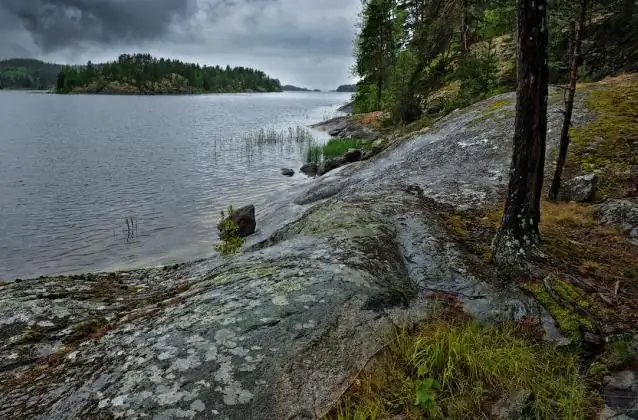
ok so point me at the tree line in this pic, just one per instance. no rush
(143, 73)
(22, 73)
(408, 49)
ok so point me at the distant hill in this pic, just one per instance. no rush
(347, 88)
(292, 88)
(26, 73)
(143, 74)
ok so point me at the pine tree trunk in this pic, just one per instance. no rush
(519, 226)
(465, 28)
(569, 103)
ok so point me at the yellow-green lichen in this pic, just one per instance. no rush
(241, 273)
(29, 335)
(496, 105)
(569, 321)
(607, 143)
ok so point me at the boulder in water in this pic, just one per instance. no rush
(287, 172)
(244, 218)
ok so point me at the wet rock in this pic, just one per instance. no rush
(309, 169)
(344, 127)
(331, 164)
(287, 172)
(353, 155)
(622, 213)
(244, 218)
(513, 407)
(378, 145)
(580, 189)
(620, 395)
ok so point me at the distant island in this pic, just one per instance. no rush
(347, 88)
(143, 74)
(292, 88)
(26, 73)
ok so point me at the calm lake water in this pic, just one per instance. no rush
(93, 183)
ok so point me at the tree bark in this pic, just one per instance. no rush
(519, 226)
(569, 102)
(465, 25)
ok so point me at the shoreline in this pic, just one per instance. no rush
(117, 270)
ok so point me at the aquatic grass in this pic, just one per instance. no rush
(457, 368)
(291, 135)
(314, 153)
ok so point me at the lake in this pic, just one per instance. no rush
(92, 183)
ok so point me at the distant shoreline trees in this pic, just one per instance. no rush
(145, 74)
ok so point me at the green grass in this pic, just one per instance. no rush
(334, 148)
(459, 369)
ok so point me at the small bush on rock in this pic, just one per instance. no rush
(231, 242)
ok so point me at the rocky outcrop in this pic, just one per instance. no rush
(347, 127)
(581, 189)
(281, 330)
(287, 172)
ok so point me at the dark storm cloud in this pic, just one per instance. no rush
(60, 23)
(306, 42)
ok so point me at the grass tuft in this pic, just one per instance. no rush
(459, 369)
(334, 148)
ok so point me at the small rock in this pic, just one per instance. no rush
(580, 189)
(623, 380)
(623, 213)
(244, 218)
(353, 155)
(309, 169)
(512, 407)
(377, 146)
(287, 172)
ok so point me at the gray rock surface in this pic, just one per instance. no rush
(513, 407)
(622, 213)
(280, 331)
(621, 396)
(343, 127)
(580, 189)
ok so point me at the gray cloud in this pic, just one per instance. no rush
(59, 23)
(307, 42)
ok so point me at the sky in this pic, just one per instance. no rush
(307, 43)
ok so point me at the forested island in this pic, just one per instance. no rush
(26, 73)
(143, 74)
(346, 88)
(293, 88)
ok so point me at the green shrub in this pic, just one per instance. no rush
(230, 242)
